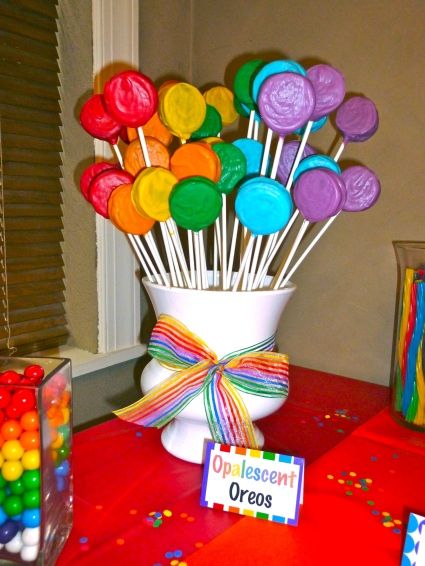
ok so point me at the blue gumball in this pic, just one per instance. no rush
(31, 518)
(8, 530)
(63, 468)
(3, 516)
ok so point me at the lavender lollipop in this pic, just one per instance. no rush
(363, 188)
(287, 158)
(357, 119)
(319, 194)
(329, 87)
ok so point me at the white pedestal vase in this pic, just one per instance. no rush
(226, 321)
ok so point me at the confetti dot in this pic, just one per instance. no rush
(174, 562)
(397, 521)
(330, 477)
(157, 515)
(157, 523)
(396, 531)
(199, 544)
(83, 540)
(120, 541)
(388, 524)
(370, 502)
(374, 458)
(352, 474)
(190, 519)
(340, 430)
(327, 416)
(368, 480)
(138, 434)
(343, 473)
(167, 513)
(375, 512)
(349, 482)
(169, 554)
(183, 515)
(178, 553)
(385, 513)
(358, 485)
(182, 563)
(341, 481)
(133, 511)
(348, 493)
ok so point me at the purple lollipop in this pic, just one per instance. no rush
(319, 194)
(287, 158)
(329, 87)
(286, 102)
(357, 119)
(363, 188)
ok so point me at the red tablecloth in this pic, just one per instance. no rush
(137, 505)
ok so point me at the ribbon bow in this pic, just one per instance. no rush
(255, 370)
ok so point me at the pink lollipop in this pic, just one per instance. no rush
(357, 119)
(96, 120)
(90, 173)
(329, 87)
(286, 102)
(287, 158)
(363, 188)
(131, 98)
(319, 194)
(102, 186)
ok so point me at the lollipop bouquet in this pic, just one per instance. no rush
(209, 221)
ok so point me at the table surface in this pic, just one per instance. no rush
(135, 504)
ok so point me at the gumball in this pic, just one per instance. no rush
(3, 482)
(36, 372)
(10, 377)
(65, 431)
(2, 419)
(8, 530)
(31, 536)
(3, 517)
(17, 487)
(13, 505)
(3, 495)
(63, 451)
(12, 450)
(31, 479)
(65, 415)
(65, 399)
(15, 545)
(11, 429)
(31, 518)
(30, 421)
(12, 470)
(5, 397)
(30, 439)
(31, 499)
(58, 442)
(24, 400)
(60, 483)
(13, 412)
(31, 460)
(29, 553)
(63, 469)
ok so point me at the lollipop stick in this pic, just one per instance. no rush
(271, 240)
(256, 129)
(144, 147)
(308, 250)
(197, 262)
(224, 245)
(278, 279)
(168, 253)
(277, 157)
(245, 259)
(250, 131)
(174, 258)
(155, 254)
(179, 250)
(204, 272)
(140, 257)
(191, 256)
(232, 251)
(257, 249)
(339, 152)
(266, 152)
(215, 259)
(299, 154)
(118, 154)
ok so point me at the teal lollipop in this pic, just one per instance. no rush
(211, 125)
(233, 166)
(253, 152)
(273, 68)
(315, 161)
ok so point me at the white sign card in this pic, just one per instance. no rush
(414, 544)
(255, 483)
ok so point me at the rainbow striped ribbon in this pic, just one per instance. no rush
(256, 370)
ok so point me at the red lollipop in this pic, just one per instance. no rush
(131, 98)
(102, 186)
(90, 173)
(96, 120)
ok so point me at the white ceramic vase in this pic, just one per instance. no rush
(227, 321)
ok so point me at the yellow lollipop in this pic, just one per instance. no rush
(151, 191)
(182, 108)
(222, 99)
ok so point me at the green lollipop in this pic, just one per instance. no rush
(233, 166)
(211, 125)
(195, 203)
(243, 82)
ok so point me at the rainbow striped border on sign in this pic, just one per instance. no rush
(254, 483)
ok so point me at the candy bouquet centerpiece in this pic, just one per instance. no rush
(209, 221)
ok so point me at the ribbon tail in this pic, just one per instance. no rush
(166, 400)
(227, 416)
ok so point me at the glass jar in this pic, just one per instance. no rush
(35, 478)
(407, 376)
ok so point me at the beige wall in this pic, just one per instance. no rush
(341, 319)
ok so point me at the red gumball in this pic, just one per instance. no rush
(10, 377)
(34, 373)
(5, 397)
(13, 412)
(23, 400)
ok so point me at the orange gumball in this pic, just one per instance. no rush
(124, 215)
(65, 399)
(52, 411)
(196, 159)
(30, 440)
(134, 161)
(153, 128)
(30, 421)
(11, 429)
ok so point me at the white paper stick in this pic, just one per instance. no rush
(244, 286)
(224, 243)
(150, 241)
(308, 250)
(253, 267)
(256, 129)
(232, 250)
(197, 261)
(338, 153)
(250, 131)
(143, 263)
(299, 154)
(245, 259)
(271, 240)
(118, 154)
(174, 258)
(191, 257)
(266, 152)
(144, 147)
(297, 241)
(204, 272)
(276, 158)
(175, 241)
(215, 259)
(167, 247)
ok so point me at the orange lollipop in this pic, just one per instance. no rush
(195, 159)
(124, 216)
(134, 161)
(153, 128)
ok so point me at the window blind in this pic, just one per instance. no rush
(32, 313)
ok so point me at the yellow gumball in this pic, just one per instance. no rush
(57, 443)
(31, 460)
(222, 99)
(1, 459)
(65, 414)
(12, 470)
(12, 450)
